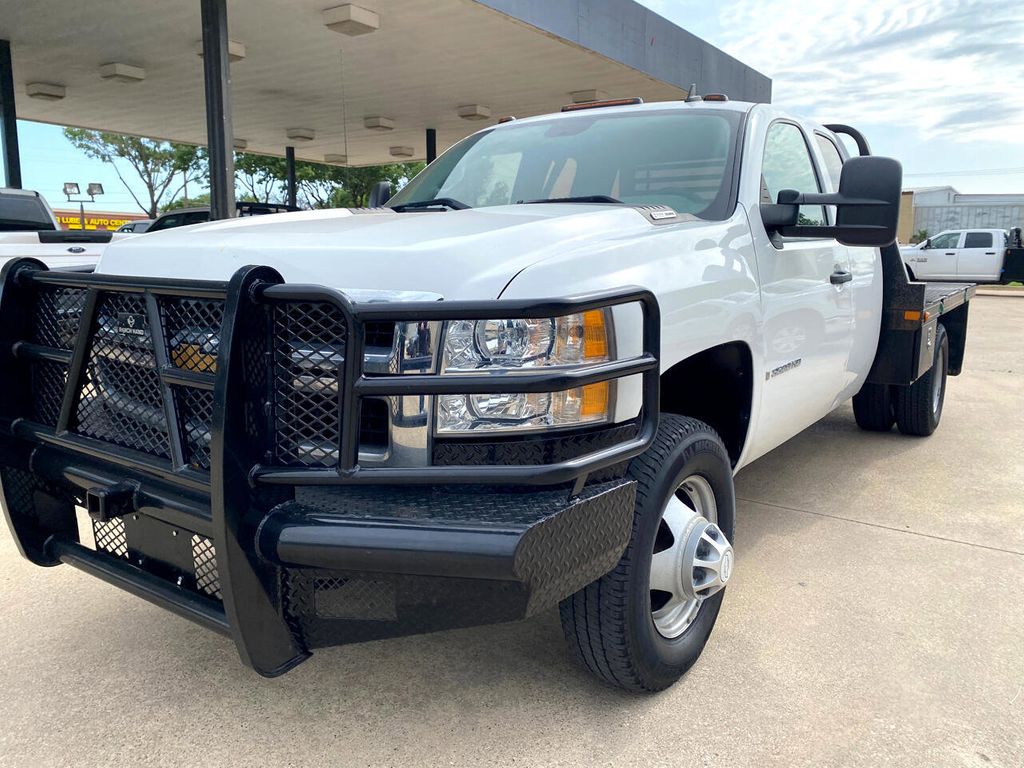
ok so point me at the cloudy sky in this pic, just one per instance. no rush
(938, 84)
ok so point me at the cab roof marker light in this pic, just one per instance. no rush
(599, 104)
(715, 97)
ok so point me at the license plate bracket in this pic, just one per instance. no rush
(162, 549)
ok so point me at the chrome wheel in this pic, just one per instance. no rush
(692, 558)
(937, 379)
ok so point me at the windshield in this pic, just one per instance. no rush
(24, 213)
(680, 159)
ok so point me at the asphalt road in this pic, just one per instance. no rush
(876, 618)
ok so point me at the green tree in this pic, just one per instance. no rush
(326, 186)
(261, 177)
(920, 236)
(188, 202)
(164, 168)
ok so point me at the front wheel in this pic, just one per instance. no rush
(645, 623)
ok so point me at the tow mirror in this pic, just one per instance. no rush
(380, 194)
(867, 205)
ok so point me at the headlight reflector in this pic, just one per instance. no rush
(525, 345)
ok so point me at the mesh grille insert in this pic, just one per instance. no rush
(309, 341)
(195, 411)
(120, 400)
(204, 558)
(48, 381)
(192, 331)
(110, 537)
(57, 315)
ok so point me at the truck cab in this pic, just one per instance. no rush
(974, 255)
(524, 383)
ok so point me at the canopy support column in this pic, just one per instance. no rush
(289, 167)
(431, 145)
(219, 130)
(8, 119)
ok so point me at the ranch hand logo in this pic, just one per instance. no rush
(131, 325)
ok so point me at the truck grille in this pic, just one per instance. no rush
(309, 360)
(123, 399)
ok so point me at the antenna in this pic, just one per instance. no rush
(692, 94)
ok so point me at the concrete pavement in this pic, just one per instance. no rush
(876, 618)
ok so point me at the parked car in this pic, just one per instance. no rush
(978, 255)
(526, 383)
(136, 227)
(29, 228)
(183, 217)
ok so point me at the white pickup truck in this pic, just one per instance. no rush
(526, 382)
(29, 228)
(977, 255)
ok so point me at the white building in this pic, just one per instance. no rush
(939, 208)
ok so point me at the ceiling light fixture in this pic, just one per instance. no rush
(588, 94)
(351, 20)
(301, 134)
(474, 112)
(335, 159)
(121, 72)
(378, 123)
(401, 151)
(45, 91)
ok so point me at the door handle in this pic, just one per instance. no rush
(990, 253)
(839, 277)
(951, 253)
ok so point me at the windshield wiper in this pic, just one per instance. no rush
(577, 199)
(447, 202)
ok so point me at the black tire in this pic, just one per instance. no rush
(918, 407)
(872, 407)
(608, 624)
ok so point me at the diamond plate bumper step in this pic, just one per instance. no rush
(552, 546)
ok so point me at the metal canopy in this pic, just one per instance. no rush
(425, 61)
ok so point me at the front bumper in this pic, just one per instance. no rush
(284, 559)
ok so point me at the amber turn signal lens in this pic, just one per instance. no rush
(595, 401)
(595, 336)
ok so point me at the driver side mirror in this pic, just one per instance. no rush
(867, 205)
(927, 243)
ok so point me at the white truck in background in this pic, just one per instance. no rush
(29, 228)
(974, 255)
(525, 382)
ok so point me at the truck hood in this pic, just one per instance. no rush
(466, 254)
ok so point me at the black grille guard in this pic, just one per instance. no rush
(228, 504)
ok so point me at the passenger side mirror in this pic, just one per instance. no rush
(380, 194)
(867, 205)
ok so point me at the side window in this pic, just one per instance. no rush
(787, 165)
(833, 160)
(948, 240)
(978, 240)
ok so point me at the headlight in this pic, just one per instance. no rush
(525, 346)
